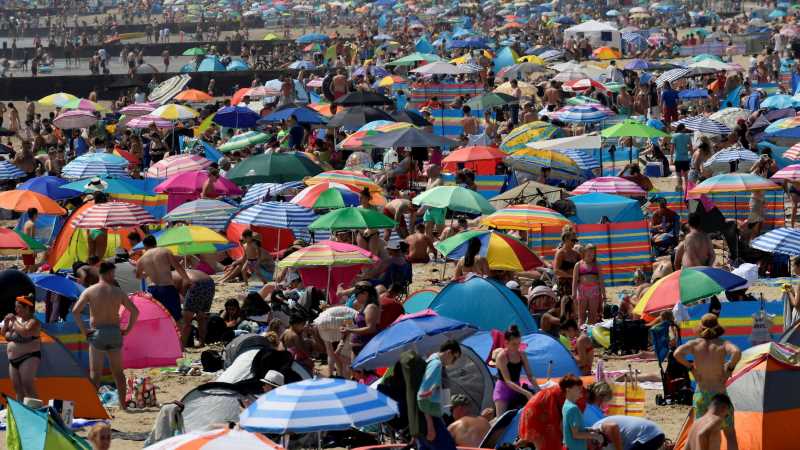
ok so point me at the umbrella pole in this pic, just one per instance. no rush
(328, 284)
(278, 242)
(319, 440)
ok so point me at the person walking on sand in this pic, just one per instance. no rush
(709, 367)
(104, 334)
(157, 264)
(705, 431)
(21, 331)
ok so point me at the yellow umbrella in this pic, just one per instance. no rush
(531, 59)
(174, 112)
(57, 99)
(527, 89)
(270, 37)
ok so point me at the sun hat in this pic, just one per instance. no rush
(710, 327)
(273, 378)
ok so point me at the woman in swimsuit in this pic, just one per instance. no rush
(564, 261)
(24, 348)
(510, 360)
(588, 287)
(472, 262)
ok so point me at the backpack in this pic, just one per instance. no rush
(218, 331)
(212, 361)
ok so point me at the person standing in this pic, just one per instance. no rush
(198, 295)
(104, 334)
(29, 229)
(157, 264)
(705, 431)
(588, 287)
(575, 434)
(681, 149)
(21, 331)
(510, 360)
(430, 400)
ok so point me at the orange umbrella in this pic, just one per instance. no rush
(474, 153)
(22, 201)
(193, 96)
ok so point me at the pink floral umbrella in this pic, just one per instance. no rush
(610, 185)
(173, 165)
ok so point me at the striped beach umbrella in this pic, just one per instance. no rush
(147, 121)
(686, 286)
(74, 119)
(782, 125)
(501, 251)
(138, 109)
(530, 132)
(532, 160)
(672, 75)
(259, 192)
(21, 201)
(213, 214)
(610, 185)
(721, 161)
(351, 219)
(581, 114)
(174, 112)
(789, 173)
(244, 140)
(190, 234)
(347, 177)
(455, 198)
(95, 165)
(355, 141)
(328, 195)
(784, 240)
(704, 124)
(173, 165)
(734, 182)
(584, 160)
(524, 217)
(113, 215)
(8, 171)
(729, 116)
(584, 84)
(169, 88)
(58, 99)
(328, 254)
(282, 215)
(216, 439)
(792, 152)
(318, 404)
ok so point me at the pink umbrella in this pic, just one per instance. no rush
(611, 185)
(315, 83)
(76, 118)
(138, 109)
(583, 84)
(154, 326)
(788, 173)
(192, 183)
(146, 121)
(173, 165)
(793, 152)
(113, 215)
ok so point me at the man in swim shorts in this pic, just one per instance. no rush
(157, 264)
(104, 335)
(197, 298)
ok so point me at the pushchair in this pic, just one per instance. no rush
(674, 376)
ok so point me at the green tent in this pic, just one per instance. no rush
(30, 429)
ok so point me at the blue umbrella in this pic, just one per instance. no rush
(118, 186)
(722, 159)
(704, 125)
(785, 241)
(584, 160)
(258, 192)
(582, 114)
(637, 64)
(546, 355)
(302, 65)
(96, 164)
(237, 65)
(187, 68)
(565, 20)
(311, 37)
(211, 64)
(778, 101)
(423, 332)
(236, 117)
(58, 284)
(689, 94)
(302, 114)
(279, 215)
(318, 404)
(50, 186)
(9, 171)
(777, 14)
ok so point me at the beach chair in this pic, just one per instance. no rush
(674, 376)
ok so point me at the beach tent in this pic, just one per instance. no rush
(482, 302)
(591, 208)
(154, 340)
(29, 429)
(60, 376)
(470, 376)
(241, 344)
(546, 355)
(737, 319)
(504, 430)
(599, 34)
(214, 403)
(419, 300)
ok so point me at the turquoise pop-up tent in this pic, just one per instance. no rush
(591, 208)
(30, 429)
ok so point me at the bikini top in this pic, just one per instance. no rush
(585, 269)
(19, 339)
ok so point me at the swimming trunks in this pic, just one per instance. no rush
(169, 297)
(435, 215)
(19, 360)
(106, 338)
(702, 399)
(199, 297)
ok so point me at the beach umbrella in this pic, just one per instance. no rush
(438, 68)
(194, 96)
(216, 439)
(610, 185)
(211, 64)
(786, 127)
(261, 191)
(473, 153)
(524, 217)
(502, 252)
(190, 234)
(778, 101)
(532, 160)
(15, 243)
(422, 332)
(721, 161)
(363, 98)
(236, 117)
(192, 183)
(455, 198)
(582, 114)
(632, 128)
(327, 196)
(302, 114)
(686, 286)
(355, 141)
(169, 88)
(50, 186)
(59, 99)
(792, 153)
(194, 51)
(571, 75)
(237, 65)
(9, 171)
(273, 168)
(84, 105)
(281, 215)
(491, 100)
(74, 119)
(409, 137)
(315, 405)
(354, 118)
(705, 125)
(174, 112)
(311, 37)
(138, 109)
(410, 117)
(729, 116)
(414, 58)
(20, 201)
(142, 122)
(347, 177)
(584, 160)
(328, 254)
(785, 241)
(113, 215)
(524, 134)
(637, 64)
(788, 173)
(213, 214)
(734, 182)
(244, 140)
(58, 284)
(693, 94)
(110, 185)
(672, 75)
(145, 69)
(352, 219)
(390, 81)
(175, 164)
(527, 89)
(583, 84)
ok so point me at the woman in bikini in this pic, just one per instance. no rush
(587, 284)
(21, 331)
(510, 360)
(564, 262)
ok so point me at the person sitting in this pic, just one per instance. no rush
(467, 430)
(664, 226)
(420, 246)
(472, 261)
(232, 314)
(100, 436)
(297, 341)
(391, 306)
(580, 344)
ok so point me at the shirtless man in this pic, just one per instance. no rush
(583, 348)
(469, 123)
(709, 367)
(705, 431)
(198, 294)
(104, 334)
(467, 430)
(339, 84)
(157, 264)
(209, 188)
(552, 95)
(297, 341)
(420, 246)
(396, 210)
(29, 229)
(696, 248)
(452, 230)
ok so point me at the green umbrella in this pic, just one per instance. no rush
(244, 140)
(491, 100)
(455, 198)
(352, 218)
(613, 87)
(581, 100)
(190, 234)
(194, 51)
(33, 244)
(273, 168)
(330, 199)
(632, 128)
(414, 58)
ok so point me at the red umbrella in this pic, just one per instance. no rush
(474, 153)
(113, 215)
(192, 183)
(583, 84)
(12, 243)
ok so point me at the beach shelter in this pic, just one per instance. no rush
(591, 208)
(154, 340)
(482, 302)
(599, 34)
(28, 429)
(737, 319)
(546, 355)
(60, 376)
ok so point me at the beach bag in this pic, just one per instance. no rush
(141, 393)
(627, 398)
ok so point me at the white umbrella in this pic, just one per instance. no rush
(439, 68)
(75, 118)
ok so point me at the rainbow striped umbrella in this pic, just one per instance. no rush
(686, 286)
(524, 217)
(173, 165)
(328, 254)
(327, 195)
(734, 182)
(610, 185)
(790, 173)
(501, 251)
(83, 105)
(172, 111)
(113, 215)
(58, 99)
(14, 243)
(377, 127)
(190, 234)
(530, 132)
(348, 177)
(775, 128)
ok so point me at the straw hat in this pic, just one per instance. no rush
(710, 327)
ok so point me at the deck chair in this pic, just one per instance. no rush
(674, 376)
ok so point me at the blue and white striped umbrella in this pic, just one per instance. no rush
(785, 241)
(584, 160)
(318, 404)
(550, 55)
(704, 125)
(213, 214)
(279, 215)
(721, 160)
(469, 67)
(672, 75)
(582, 114)
(259, 191)
(8, 171)
(96, 165)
